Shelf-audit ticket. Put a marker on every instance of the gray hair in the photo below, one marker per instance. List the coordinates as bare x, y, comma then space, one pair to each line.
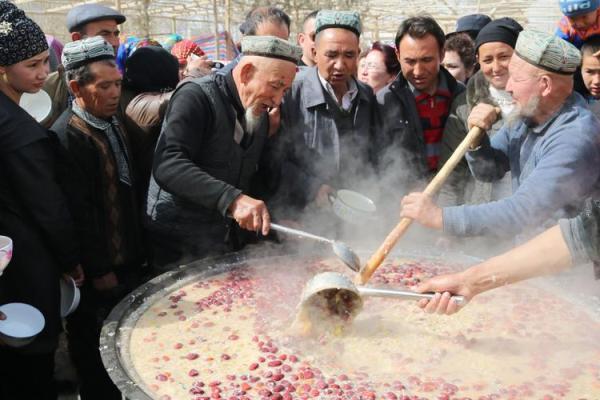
83, 75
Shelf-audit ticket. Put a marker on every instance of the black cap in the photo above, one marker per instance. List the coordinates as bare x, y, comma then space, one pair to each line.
505, 30
151, 69
86, 13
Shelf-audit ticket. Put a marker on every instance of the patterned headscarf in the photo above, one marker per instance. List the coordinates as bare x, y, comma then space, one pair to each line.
20, 37
184, 48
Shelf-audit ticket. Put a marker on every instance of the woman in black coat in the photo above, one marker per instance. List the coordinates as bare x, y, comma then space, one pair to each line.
33, 210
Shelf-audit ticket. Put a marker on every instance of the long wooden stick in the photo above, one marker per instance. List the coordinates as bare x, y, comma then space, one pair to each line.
434, 186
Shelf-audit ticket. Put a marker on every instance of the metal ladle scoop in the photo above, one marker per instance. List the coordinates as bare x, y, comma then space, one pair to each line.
342, 250
332, 294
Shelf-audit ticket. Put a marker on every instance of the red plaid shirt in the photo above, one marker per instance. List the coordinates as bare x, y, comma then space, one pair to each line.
433, 112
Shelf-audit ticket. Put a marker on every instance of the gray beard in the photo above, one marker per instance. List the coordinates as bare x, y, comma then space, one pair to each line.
524, 113
252, 121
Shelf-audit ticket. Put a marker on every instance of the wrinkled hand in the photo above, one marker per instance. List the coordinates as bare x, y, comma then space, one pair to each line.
483, 116
274, 120
77, 275
421, 208
444, 286
251, 214
106, 282
322, 197
198, 66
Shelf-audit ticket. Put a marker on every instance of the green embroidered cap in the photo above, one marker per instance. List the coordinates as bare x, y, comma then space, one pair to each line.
271, 46
548, 52
349, 20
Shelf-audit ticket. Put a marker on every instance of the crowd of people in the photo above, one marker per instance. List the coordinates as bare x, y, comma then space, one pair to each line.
152, 156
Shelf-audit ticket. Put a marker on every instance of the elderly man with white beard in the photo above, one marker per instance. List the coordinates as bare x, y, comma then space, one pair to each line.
208, 151
551, 148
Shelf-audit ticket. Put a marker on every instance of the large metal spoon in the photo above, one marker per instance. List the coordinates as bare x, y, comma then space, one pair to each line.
342, 250
332, 294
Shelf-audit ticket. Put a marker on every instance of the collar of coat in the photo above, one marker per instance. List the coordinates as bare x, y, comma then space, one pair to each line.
313, 94
455, 87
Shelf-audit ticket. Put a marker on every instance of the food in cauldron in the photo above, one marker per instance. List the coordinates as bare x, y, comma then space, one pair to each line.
229, 337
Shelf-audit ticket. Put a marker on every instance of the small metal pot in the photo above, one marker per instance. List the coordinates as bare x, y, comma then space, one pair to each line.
352, 207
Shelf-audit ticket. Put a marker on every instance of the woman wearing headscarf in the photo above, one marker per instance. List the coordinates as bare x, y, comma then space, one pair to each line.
184, 50
495, 45
33, 211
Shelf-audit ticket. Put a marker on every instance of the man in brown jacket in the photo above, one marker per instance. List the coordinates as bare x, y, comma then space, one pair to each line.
99, 180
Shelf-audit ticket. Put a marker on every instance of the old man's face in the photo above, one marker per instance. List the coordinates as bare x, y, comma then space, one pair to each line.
265, 81
336, 55
100, 97
523, 85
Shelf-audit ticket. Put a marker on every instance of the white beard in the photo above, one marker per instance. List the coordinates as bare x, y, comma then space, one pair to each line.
252, 120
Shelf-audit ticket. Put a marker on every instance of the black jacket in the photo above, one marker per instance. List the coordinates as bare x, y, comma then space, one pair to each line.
34, 213
198, 168
403, 146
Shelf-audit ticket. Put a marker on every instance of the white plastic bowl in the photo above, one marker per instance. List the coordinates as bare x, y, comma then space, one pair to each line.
6, 249
22, 324
38, 104
69, 296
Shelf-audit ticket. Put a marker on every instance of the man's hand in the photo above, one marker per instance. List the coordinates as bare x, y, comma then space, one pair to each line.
106, 282
251, 214
483, 116
322, 197
274, 120
421, 208
77, 275
444, 286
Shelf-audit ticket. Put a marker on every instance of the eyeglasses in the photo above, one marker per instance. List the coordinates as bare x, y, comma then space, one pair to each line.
374, 67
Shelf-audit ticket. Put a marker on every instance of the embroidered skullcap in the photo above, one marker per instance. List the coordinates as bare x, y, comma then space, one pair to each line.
184, 48
20, 37
349, 20
548, 52
82, 52
85, 13
574, 8
272, 47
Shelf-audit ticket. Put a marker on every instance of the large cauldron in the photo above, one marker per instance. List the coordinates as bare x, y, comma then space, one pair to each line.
115, 338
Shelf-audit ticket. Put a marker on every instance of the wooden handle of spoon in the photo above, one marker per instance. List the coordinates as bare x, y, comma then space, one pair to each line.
471, 139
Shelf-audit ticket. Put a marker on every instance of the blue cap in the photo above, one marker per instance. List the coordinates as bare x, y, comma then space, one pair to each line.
86, 13
473, 22
574, 8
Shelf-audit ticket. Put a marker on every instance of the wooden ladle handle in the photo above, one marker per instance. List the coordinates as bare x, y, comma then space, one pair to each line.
471, 140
